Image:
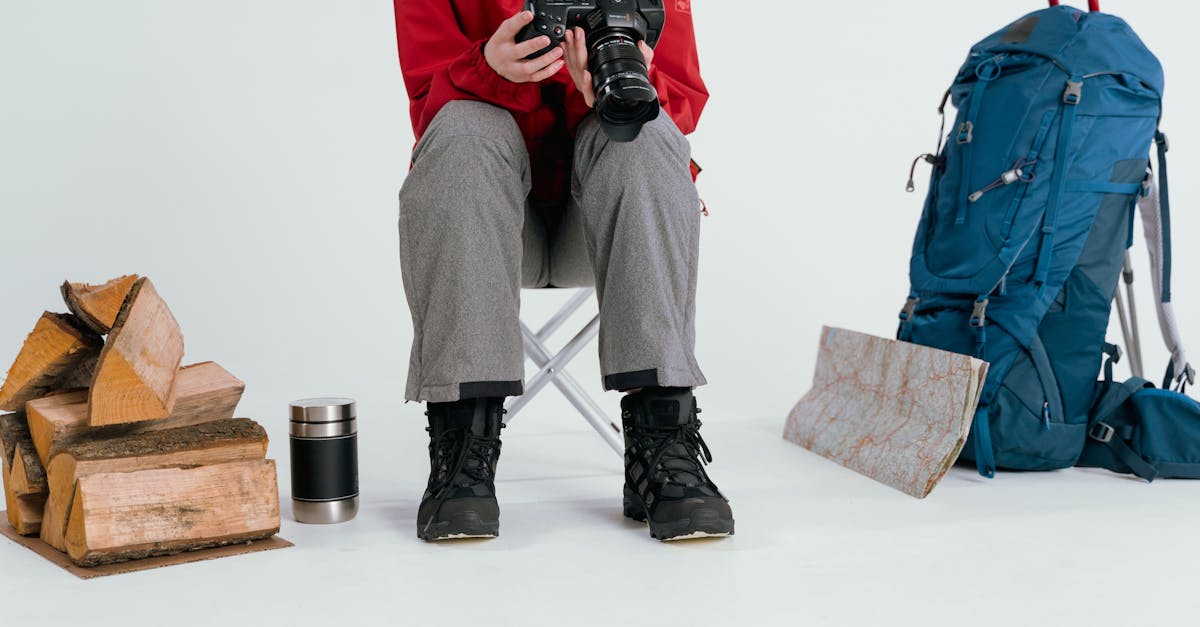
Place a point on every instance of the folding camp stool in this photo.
(552, 369)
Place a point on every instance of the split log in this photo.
(210, 443)
(13, 429)
(122, 516)
(206, 392)
(24, 473)
(98, 305)
(59, 346)
(135, 376)
(55, 419)
(27, 475)
(24, 512)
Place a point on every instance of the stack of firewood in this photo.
(113, 451)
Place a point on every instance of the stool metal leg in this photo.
(552, 370)
(571, 389)
(557, 320)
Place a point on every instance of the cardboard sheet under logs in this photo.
(61, 560)
(896, 412)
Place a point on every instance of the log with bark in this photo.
(217, 442)
(27, 475)
(24, 473)
(135, 375)
(24, 479)
(130, 515)
(98, 305)
(60, 348)
(206, 392)
(13, 429)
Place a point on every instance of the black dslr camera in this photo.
(625, 99)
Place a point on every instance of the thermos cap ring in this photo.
(323, 410)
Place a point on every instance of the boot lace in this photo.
(460, 458)
(678, 454)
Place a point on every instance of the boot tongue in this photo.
(666, 410)
(471, 415)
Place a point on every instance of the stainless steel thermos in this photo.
(324, 443)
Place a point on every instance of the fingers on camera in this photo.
(526, 48)
(546, 72)
(513, 25)
(545, 66)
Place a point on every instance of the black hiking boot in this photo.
(665, 481)
(464, 444)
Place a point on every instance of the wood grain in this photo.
(98, 305)
(217, 442)
(204, 392)
(121, 516)
(135, 375)
(24, 512)
(59, 346)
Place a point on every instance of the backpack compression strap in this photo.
(1155, 208)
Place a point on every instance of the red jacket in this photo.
(441, 56)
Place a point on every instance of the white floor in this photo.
(815, 544)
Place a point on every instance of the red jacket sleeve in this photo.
(442, 64)
(675, 72)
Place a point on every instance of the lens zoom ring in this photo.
(615, 50)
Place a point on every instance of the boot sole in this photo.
(704, 523)
(461, 526)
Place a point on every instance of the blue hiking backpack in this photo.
(1024, 237)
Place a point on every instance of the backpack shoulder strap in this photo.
(1155, 208)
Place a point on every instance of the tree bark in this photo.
(98, 305)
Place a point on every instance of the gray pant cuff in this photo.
(653, 377)
(471, 389)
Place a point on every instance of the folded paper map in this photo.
(896, 412)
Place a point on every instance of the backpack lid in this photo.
(1082, 43)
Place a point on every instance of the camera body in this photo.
(553, 18)
(625, 99)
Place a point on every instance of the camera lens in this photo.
(625, 99)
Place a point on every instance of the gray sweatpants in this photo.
(470, 240)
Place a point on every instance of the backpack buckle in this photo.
(1102, 432)
(979, 314)
(966, 132)
(910, 306)
(1073, 93)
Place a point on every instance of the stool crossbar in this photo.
(552, 369)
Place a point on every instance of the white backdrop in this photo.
(246, 155)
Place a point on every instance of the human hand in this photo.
(575, 49)
(506, 55)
